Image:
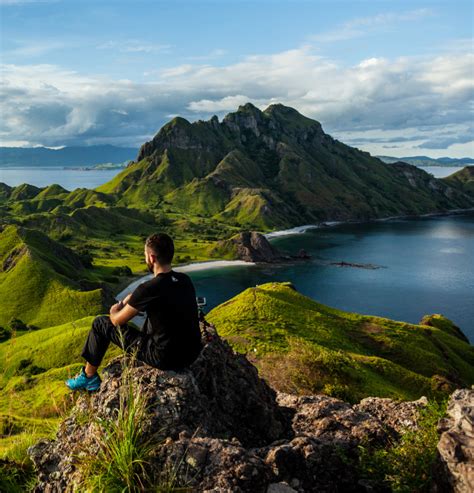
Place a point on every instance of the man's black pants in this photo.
(103, 332)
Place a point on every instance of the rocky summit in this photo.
(228, 431)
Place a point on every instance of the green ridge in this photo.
(303, 346)
(39, 280)
(462, 179)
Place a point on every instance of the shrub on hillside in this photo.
(5, 333)
(17, 324)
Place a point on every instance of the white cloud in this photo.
(36, 48)
(228, 103)
(412, 102)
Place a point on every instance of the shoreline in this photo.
(328, 224)
(211, 264)
(192, 267)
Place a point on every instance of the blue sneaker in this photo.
(82, 381)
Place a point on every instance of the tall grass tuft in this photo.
(122, 461)
(123, 449)
(405, 465)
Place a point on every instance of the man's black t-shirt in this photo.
(169, 300)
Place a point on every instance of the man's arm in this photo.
(121, 313)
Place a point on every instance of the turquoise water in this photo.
(427, 266)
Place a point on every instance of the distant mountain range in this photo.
(429, 161)
(66, 156)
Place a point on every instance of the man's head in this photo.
(159, 249)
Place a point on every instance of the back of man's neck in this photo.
(162, 269)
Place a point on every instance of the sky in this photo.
(390, 77)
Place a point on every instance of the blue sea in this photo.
(69, 178)
(426, 266)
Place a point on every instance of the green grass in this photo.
(302, 346)
(125, 447)
(122, 458)
(405, 465)
(40, 280)
(463, 179)
(33, 368)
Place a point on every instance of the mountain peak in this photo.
(280, 108)
(248, 108)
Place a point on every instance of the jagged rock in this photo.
(397, 416)
(251, 247)
(218, 427)
(331, 419)
(219, 395)
(454, 468)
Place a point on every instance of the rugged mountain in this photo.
(43, 282)
(250, 246)
(66, 156)
(273, 168)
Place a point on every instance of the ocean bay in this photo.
(426, 266)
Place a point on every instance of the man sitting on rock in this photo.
(170, 338)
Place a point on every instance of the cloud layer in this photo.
(426, 101)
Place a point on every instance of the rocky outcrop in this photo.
(221, 428)
(454, 469)
(252, 246)
(396, 416)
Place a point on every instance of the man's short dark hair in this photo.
(162, 246)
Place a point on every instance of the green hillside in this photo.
(40, 280)
(33, 396)
(462, 179)
(302, 346)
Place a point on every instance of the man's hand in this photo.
(120, 314)
(116, 308)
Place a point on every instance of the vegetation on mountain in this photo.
(302, 346)
(462, 179)
(40, 280)
(275, 168)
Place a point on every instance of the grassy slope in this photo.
(300, 345)
(39, 280)
(33, 367)
(463, 179)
